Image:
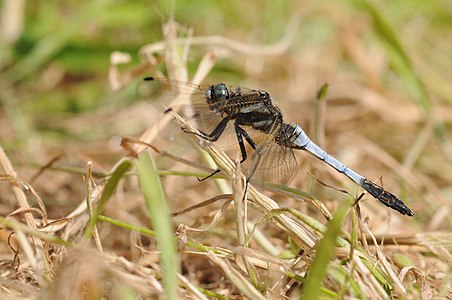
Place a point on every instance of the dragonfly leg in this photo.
(241, 133)
(212, 137)
(210, 175)
(216, 133)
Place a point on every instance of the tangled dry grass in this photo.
(139, 224)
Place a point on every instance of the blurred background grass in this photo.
(387, 64)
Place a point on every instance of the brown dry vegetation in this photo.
(83, 217)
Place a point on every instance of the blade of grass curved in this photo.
(159, 216)
(323, 256)
(126, 225)
(109, 189)
(51, 44)
(396, 53)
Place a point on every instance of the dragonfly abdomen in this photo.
(387, 198)
(300, 140)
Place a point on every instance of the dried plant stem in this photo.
(37, 258)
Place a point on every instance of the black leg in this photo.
(212, 137)
(208, 176)
(241, 133)
(216, 133)
(248, 139)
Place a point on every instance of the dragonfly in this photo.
(249, 118)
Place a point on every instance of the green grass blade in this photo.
(109, 189)
(126, 225)
(325, 250)
(51, 44)
(160, 219)
(396, 53)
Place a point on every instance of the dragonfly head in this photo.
(217, 92)
(264, 95)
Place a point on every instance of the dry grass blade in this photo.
(36, 255)
(126, 143)
(386, 265)
(223, 42)
(237, 278)
(205, 66)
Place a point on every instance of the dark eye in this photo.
(264, 94)
(218, 92)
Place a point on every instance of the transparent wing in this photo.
(195, 108)
(164, 92)
(273, 163)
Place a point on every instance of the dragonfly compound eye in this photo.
(218, 92)
(264, 94)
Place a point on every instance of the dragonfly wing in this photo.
(272, 163)
(206, 117)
